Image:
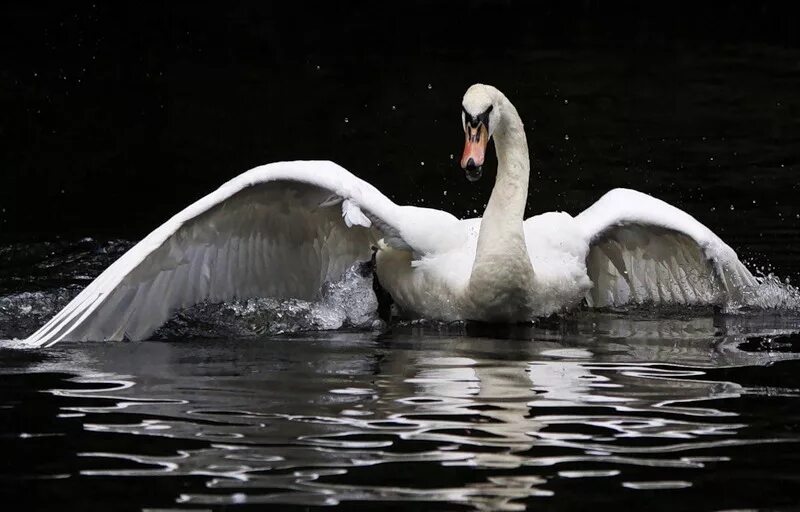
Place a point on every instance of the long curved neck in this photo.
(506, 207)
(501, 240)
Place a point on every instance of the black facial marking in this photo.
(474, 121)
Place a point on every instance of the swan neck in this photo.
(510, 191)
(501, 259)
(502, 220)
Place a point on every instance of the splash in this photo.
(770, 295)
(63, 269)
(60, 269)
(24, 312)
(37, 279)
(347, 303)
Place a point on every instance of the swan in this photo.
(285, 228)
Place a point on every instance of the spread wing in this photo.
(279, 230)
(642, 249)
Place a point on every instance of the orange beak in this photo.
(474, 146)
(475, 142)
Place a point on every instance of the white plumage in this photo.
(283, 229)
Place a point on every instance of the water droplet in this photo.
(430, 87)
(422, 163)
(444, 193)
(566, 137)
(451, 156)
(394, 107)
(566, 102)
(346, 120)
(732, 208)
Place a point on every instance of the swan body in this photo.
(438, 286)
(284, 229)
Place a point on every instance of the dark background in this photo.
(117, 115)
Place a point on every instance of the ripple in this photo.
(470, 422)
(657, 486)
(589, 473)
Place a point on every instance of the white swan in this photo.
(283, 229)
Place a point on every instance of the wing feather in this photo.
(643, 250)
(274, 231)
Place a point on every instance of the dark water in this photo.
(115, 116)
(606, 411)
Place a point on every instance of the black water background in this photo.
(116, 116)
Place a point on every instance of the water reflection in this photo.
(611, 402)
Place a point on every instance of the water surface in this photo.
(682, 412)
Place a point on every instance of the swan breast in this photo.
(557, 250)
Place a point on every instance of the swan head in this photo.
(479, 118)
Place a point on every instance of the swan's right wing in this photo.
(641, 249)
(279, 230)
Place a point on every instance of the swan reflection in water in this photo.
(424, 415)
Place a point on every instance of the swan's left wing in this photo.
(643, 250)
(279, 230)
